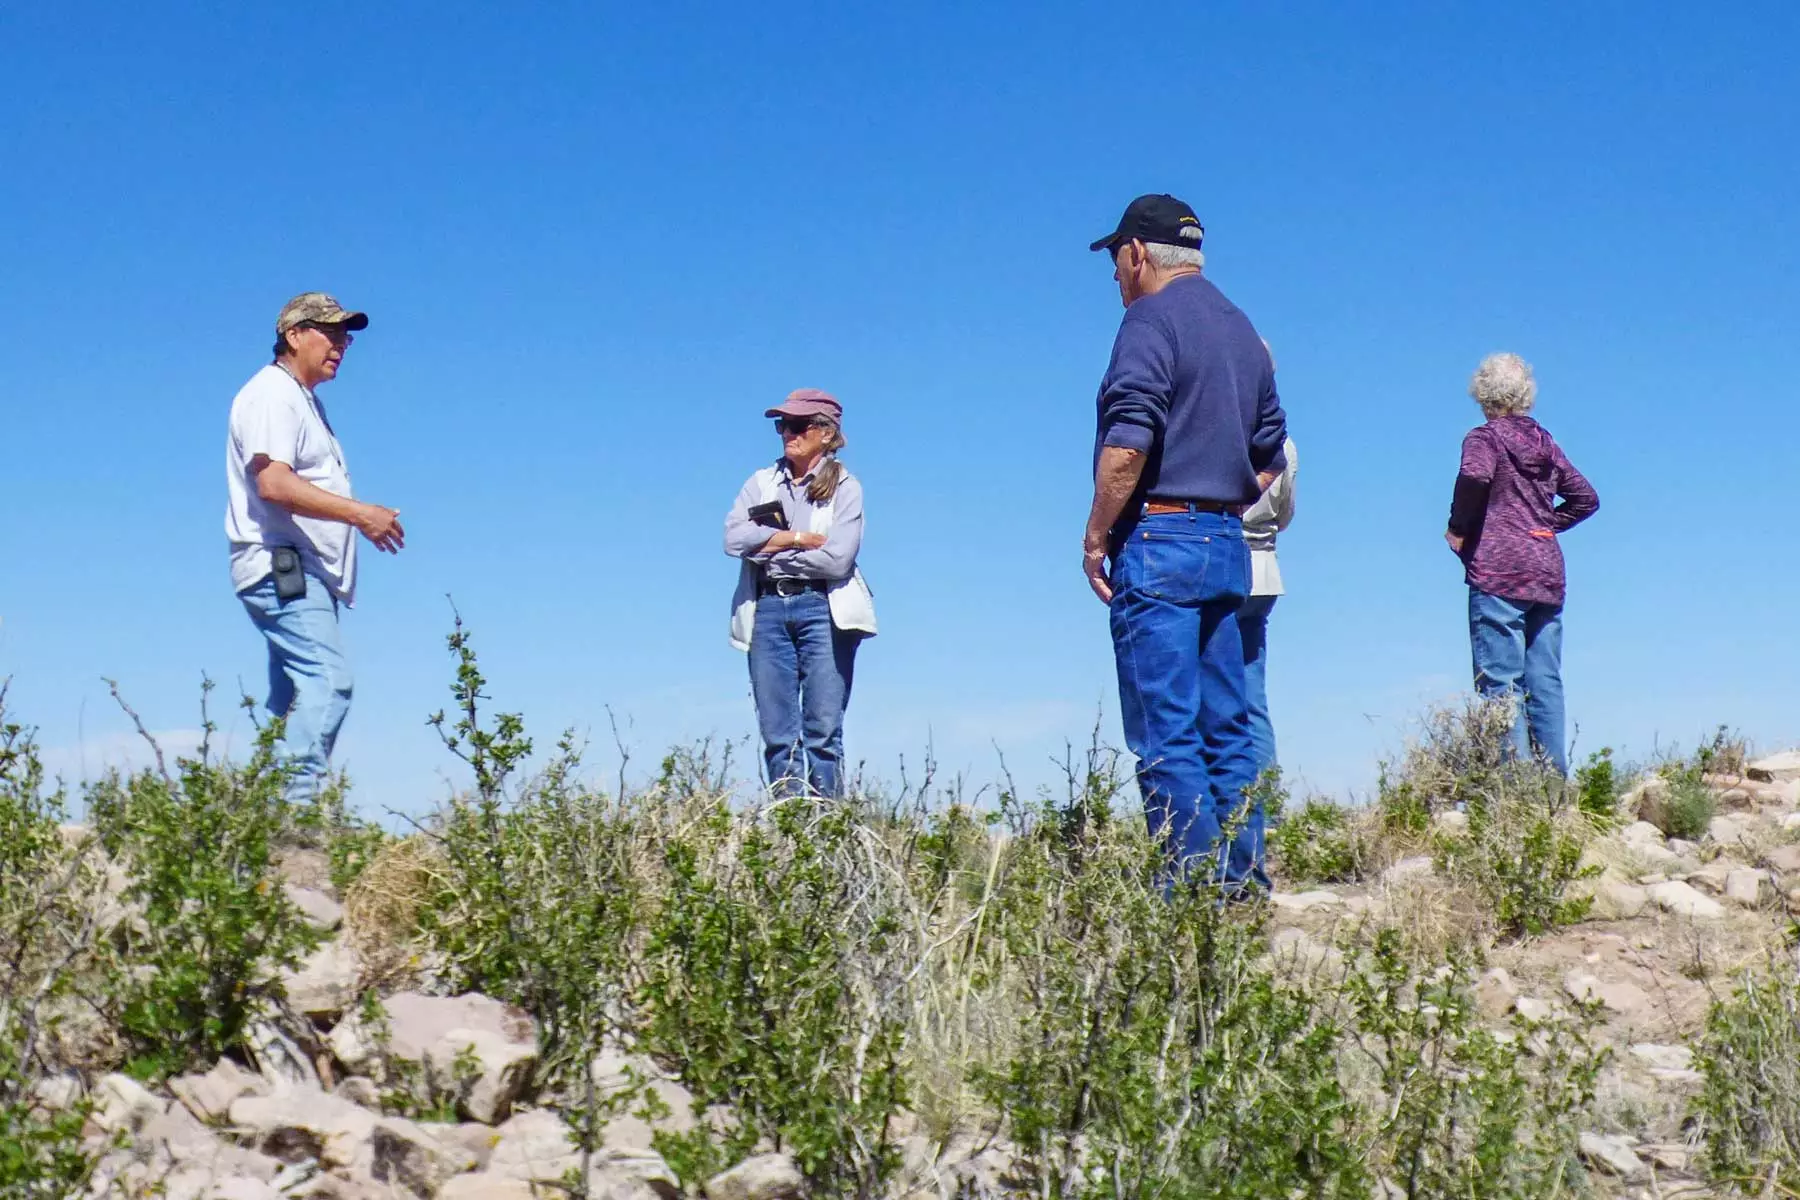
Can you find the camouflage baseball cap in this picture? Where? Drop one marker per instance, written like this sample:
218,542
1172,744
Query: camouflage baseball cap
319,308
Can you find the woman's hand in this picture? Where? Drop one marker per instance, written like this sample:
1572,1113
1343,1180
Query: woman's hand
1454,541
788,539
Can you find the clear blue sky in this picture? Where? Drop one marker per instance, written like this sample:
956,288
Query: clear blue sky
597,240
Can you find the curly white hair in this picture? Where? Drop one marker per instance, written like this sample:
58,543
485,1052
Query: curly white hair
1503,385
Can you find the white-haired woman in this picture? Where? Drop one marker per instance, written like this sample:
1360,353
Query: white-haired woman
801,606
1505,516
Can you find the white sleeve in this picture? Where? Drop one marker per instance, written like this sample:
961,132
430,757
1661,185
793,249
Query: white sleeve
268,424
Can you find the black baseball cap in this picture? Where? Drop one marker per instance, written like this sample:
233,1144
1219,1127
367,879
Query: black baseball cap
1155,218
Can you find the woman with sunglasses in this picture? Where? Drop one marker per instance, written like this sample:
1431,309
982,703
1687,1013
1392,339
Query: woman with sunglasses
801,605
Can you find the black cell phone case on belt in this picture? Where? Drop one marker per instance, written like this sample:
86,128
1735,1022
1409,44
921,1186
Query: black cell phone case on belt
290,577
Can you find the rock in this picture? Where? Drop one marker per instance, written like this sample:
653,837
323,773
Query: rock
1746,886
485,1187
642,1171
1613,1155
1641,833
476,1139
57,1093
324,985
487,1069
298,1123
1784,860
209,1096
1683,901
1791,822
1616,900
279,1057
1684,849
1776,768
1495,993
320,910
1664,1058
1709,878
1649,801
764,1177
122,1104
1532,1009
1670,1158
359,1090
1622,998
239,1187
1306,901
1417,867
400,1153
1727,830
1295,950
1451,823
534,1146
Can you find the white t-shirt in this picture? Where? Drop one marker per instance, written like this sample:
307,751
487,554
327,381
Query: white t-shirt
275,417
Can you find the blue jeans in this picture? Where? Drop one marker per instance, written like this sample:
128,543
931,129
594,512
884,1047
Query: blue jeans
801,666
1178,582
1518,654
309,677
1253,628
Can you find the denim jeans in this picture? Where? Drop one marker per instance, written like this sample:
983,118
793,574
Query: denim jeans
1178,582
309,677
1253,628
1518,653
801,668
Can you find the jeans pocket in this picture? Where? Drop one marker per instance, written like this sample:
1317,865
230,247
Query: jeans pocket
1169,567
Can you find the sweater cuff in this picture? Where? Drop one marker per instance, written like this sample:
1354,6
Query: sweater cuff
1129,437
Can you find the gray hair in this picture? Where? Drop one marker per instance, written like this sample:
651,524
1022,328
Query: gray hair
1503,385
1172,258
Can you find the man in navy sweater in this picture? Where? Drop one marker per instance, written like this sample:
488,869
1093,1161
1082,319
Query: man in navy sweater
1189,433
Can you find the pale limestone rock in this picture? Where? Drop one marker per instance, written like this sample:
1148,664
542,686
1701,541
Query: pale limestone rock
1784,860
1665,1058
209,1096
1679,899
1296,950
1621,998
533,1146
1616,900
279,1058
1776,768
476,1139
1684,849
485,1186
1791,822
764,1177
502,1069
1727,830
240,1187
1612,1155
1746,886
319,909
360,1090
57,1093
1709,878
1306,901
124,1104
296,1123
401,1154
1532,1009
1417,867
324,985
1670,1158
1641,833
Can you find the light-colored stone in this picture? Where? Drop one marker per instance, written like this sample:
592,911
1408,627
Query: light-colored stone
1669,1158
472,1136
240,1187
1616,900
122,1104
1791,822
403,1155
1680,900
641,1173
1784,860
296,1123
1685,850
1641,833
1533,1009
279,1057
1417,867
360,1090
1666,1058
1495,993
324,985
485,1186
1451,823
1727,830
59,1092
1306,901
209,1096
764,1177
498,1070
1710,878
1747,886
533,1146
1612,1155
1624,999
1776,768
1295,950
319,909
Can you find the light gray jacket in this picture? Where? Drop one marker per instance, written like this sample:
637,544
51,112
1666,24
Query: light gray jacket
1272,512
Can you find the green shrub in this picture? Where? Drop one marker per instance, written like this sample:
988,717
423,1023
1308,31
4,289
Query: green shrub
1522,852
1687,810
1749,1108
212,928
1322,842
1597,789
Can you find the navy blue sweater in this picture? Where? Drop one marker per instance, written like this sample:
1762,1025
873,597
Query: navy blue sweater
1192,386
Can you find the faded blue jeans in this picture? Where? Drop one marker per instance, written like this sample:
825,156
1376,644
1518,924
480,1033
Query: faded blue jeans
309,677
1517,649
1253,628
1178,582
801,667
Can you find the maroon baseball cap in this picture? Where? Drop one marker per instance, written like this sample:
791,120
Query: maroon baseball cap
808,402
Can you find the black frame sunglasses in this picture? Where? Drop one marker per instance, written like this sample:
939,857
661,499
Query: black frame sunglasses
795,425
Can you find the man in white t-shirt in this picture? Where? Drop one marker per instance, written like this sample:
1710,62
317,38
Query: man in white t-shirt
292,525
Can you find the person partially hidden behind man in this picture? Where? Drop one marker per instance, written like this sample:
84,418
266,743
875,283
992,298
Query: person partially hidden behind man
292,524
1189,434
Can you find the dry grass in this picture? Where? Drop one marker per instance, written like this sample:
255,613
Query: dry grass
382,910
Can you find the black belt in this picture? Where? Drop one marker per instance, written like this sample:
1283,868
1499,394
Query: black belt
789,587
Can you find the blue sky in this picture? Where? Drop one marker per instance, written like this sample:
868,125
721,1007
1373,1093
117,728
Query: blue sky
596,241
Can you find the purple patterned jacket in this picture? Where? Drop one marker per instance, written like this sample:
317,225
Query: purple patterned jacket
1505,510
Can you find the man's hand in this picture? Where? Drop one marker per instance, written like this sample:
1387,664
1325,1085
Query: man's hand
1454,541
1093,565
381,526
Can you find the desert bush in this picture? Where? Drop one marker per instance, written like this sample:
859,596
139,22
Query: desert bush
1321,842
1597,789
350,842
1749,1108
1687,805
46,933
198,957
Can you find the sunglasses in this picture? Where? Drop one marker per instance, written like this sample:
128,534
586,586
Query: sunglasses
336,334
794,425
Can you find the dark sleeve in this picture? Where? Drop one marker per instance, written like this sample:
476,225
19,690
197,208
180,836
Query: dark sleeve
1474,479
1139,383
1270,434
1579,499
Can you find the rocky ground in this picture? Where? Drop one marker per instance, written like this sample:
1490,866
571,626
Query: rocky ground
311,1114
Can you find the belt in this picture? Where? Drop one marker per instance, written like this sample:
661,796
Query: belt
1154,507
789,587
